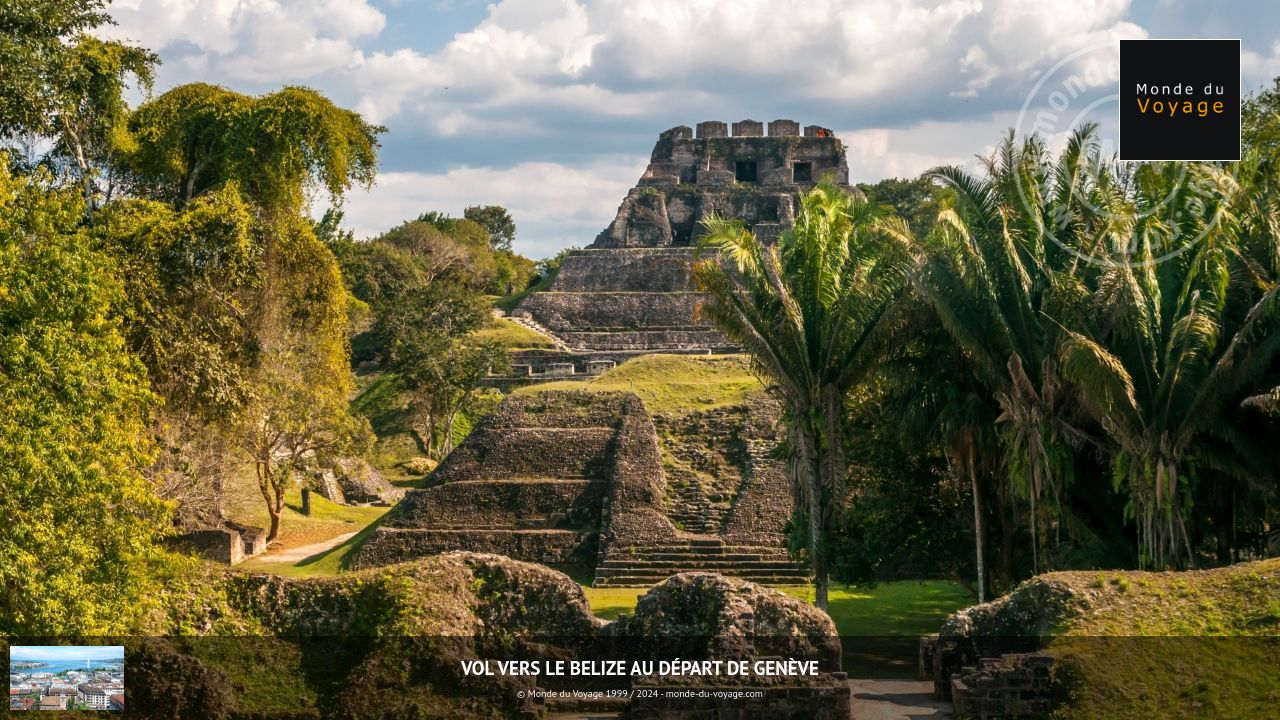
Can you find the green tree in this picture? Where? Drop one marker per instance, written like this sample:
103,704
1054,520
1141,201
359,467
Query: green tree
917,201
285,332
427,339
277,147
993,265
1166,357
88,112
815,313
496,221
296,411
80,520
34,37
191,277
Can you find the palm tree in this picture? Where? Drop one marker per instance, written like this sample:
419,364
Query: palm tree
1171,347
935,403
994,263
814,312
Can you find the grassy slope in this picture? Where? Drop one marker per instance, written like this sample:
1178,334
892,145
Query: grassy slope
1199,644
245,505
1194,657
674,384
906,608
512,336
510,302
323,564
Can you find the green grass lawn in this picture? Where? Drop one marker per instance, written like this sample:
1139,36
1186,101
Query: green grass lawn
674,384
327,519
324,564
906,608
512,335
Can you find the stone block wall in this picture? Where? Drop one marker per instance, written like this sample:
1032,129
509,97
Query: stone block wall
712,129
527,504
650,340
569,311
657,270
1010,686
784,128
389,545
216,544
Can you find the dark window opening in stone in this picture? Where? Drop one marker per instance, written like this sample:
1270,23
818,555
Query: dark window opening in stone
802,172
745,171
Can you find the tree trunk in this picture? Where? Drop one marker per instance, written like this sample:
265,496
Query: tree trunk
977,524
446,443
274,532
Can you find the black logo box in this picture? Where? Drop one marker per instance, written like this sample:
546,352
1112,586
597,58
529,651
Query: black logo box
1188,65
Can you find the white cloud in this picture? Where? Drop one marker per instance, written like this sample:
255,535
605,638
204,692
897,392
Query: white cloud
250,40
641,54
553,205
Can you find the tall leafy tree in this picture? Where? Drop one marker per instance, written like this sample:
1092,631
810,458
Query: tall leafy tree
270,294
428,346
35,36
815,313
277,147
88,106
80,521
496,221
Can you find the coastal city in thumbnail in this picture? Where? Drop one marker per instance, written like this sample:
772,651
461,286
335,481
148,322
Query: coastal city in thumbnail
66,677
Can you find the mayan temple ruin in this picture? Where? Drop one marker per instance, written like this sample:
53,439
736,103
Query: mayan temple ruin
591,481
629,292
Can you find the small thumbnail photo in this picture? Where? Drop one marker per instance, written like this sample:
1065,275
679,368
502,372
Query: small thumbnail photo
66,677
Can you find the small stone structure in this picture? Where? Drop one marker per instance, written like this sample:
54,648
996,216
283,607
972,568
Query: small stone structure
631,290
229,543
577,479
1016,685
988,658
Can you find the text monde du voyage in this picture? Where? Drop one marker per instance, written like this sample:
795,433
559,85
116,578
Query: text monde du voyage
1181,99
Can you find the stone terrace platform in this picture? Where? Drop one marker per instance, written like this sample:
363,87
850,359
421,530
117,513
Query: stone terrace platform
625,300
576,480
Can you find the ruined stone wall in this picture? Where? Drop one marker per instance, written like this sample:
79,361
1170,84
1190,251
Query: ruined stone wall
525,505
217,544
633,511
1017,685
557,549
625,270
580,312
747,175
650,340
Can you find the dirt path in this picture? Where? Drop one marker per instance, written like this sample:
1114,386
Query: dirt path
296,555
896,700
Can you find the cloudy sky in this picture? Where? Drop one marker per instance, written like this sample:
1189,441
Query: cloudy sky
65,653
550,107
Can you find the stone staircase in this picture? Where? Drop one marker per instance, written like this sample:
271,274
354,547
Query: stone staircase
526,321
692,512
651,564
